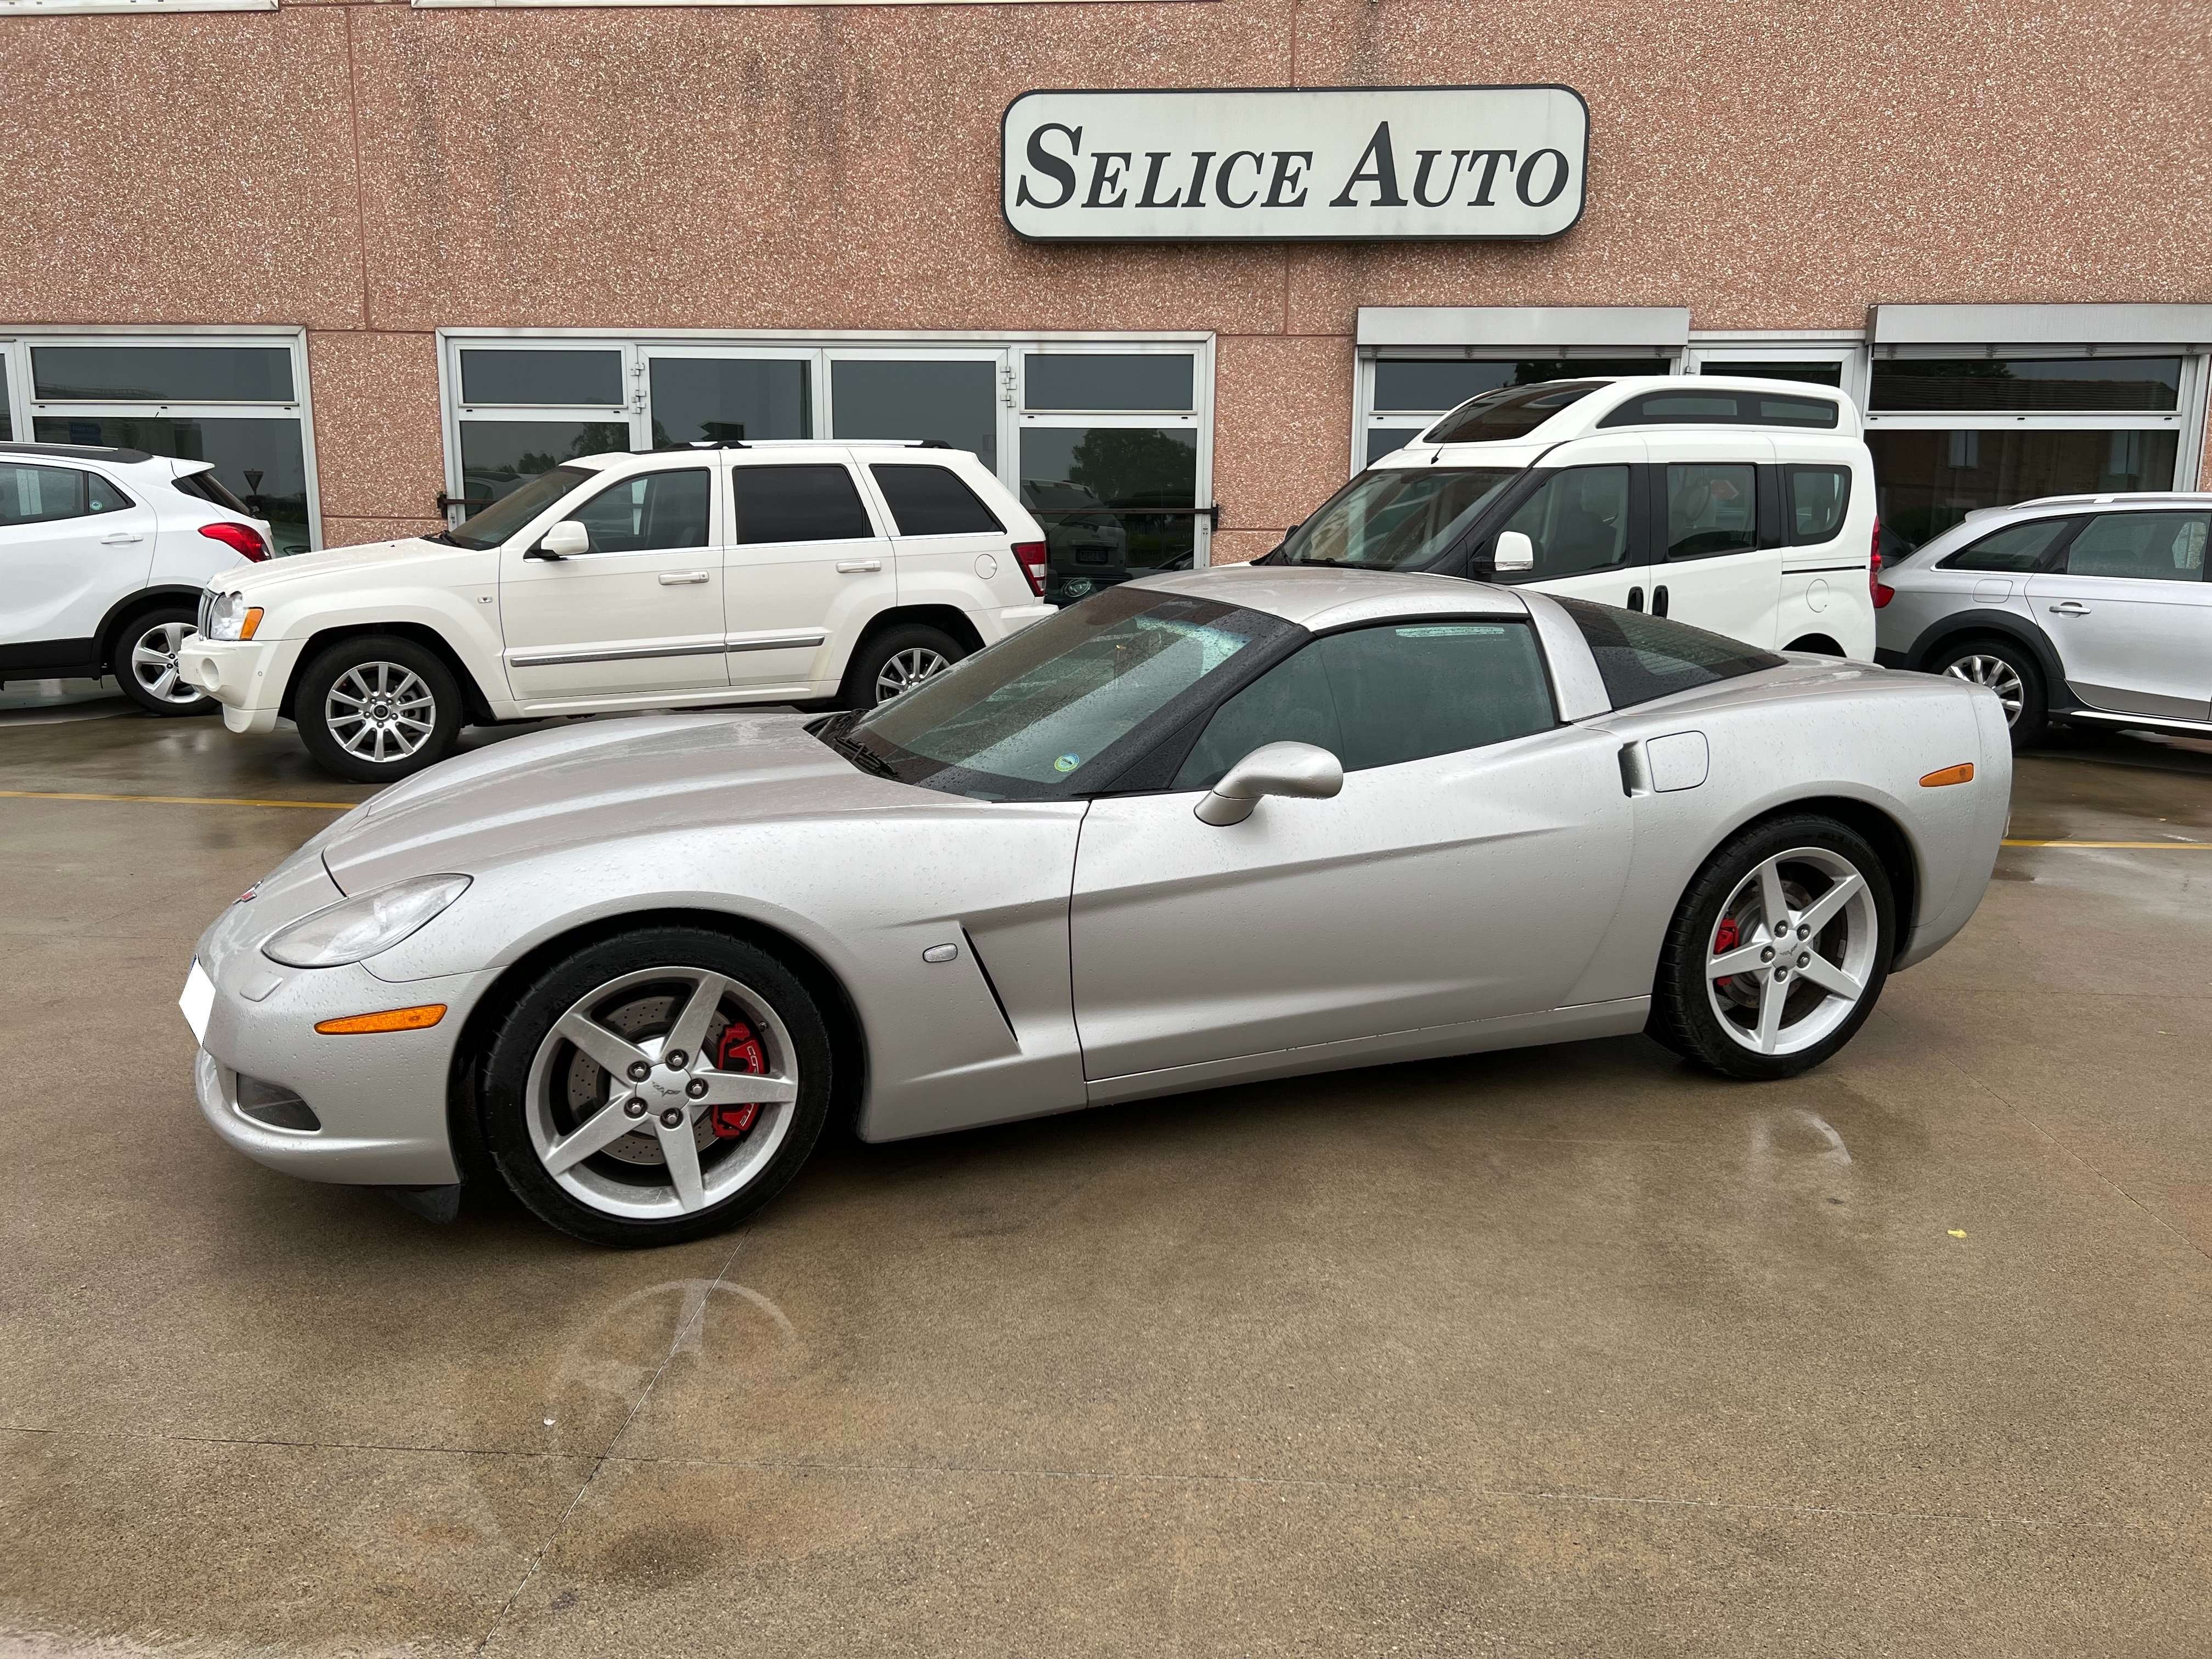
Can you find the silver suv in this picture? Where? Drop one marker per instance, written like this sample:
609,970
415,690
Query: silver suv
2092,608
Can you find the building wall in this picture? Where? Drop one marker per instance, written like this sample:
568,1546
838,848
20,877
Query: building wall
373,172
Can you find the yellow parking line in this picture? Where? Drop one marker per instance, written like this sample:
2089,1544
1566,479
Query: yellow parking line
178,800
2130,846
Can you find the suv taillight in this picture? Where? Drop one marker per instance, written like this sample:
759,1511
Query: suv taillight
1882,592
1030,557
243,538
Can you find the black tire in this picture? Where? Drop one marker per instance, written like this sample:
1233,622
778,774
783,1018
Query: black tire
873,658
1683,1016
1967,660
370,653
166,623
503,1103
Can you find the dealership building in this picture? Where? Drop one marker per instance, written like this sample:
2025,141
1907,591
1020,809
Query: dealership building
1173,268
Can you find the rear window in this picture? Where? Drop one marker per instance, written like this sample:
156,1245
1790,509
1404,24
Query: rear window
1512,411
2018,549
1642,657
933,501
1819,496
1719,408
210,489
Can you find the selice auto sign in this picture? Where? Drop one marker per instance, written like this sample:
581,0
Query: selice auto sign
1335,164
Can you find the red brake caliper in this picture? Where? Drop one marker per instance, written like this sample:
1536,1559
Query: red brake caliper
739,1050
1727,936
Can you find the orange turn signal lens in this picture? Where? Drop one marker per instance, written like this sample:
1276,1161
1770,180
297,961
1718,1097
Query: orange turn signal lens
252,621
1962,773
392,1019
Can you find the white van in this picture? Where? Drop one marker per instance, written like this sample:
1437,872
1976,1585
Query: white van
1744,507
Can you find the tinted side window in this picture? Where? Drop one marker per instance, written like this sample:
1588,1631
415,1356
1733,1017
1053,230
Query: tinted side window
2159,547
2019,550
1819,499
652,511
1641,657
1577,521
1711,509
815,503
41,495
1377,696
1725,409
933,501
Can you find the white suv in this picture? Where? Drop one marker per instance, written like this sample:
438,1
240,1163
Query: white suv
103,553
707,575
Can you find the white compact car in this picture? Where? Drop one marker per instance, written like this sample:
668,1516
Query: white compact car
708,575
1742,505
103,554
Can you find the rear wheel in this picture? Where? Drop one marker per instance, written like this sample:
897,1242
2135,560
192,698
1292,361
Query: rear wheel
2008,669
898,659
377,708
144,663
657,1087
1778,951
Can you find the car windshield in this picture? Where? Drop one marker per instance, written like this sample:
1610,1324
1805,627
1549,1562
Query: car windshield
1049,713
1396,517
518,508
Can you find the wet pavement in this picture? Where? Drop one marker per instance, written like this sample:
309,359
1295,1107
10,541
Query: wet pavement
1568,1351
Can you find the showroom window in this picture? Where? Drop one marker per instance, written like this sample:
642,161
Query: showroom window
236,400
1402,395
1104,438
1955,430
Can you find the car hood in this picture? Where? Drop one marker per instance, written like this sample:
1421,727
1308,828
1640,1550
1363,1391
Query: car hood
411,557
598,782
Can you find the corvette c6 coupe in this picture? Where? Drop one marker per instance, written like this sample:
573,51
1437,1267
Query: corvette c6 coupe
1195,831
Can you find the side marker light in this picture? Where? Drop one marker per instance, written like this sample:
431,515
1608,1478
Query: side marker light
392,1019
1962,773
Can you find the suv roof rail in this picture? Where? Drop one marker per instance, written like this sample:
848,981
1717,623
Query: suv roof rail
693,443
2122,496
80,452
929,443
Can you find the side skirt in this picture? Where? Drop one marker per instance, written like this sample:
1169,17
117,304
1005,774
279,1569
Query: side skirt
1474,1036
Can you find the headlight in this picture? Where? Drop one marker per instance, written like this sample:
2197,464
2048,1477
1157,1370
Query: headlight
357,927
229,617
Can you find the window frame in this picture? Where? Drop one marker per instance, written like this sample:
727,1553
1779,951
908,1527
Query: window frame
1786,473
569,509
820,349
879,528
24,408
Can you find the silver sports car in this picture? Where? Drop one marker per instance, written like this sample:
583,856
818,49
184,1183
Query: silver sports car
1199,830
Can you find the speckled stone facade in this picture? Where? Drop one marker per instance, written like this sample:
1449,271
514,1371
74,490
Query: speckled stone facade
373,172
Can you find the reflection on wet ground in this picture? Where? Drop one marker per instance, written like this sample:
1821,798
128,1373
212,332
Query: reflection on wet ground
1570,1349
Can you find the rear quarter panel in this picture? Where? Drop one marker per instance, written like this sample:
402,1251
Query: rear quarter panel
1808,732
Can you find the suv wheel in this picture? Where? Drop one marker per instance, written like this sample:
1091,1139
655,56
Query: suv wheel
898,659
2008,669
145,663
1778,951
377,709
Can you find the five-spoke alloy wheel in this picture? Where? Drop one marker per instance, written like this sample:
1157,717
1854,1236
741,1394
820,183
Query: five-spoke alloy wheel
1778,951
146,665
657,1087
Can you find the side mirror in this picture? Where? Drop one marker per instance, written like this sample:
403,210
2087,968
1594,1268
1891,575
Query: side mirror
1272,768
563,541
1515,552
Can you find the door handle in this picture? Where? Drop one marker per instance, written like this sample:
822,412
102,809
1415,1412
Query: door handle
681,579
120,538
1636,598
2071,608
858,567
1659,601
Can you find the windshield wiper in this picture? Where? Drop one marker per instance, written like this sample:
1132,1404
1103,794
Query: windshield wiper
860,754
447,539
1334,564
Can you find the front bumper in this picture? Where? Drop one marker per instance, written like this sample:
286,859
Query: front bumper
246,677
380,1099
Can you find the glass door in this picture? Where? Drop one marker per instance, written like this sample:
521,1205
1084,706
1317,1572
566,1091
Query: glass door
956,397
1110,464
729,394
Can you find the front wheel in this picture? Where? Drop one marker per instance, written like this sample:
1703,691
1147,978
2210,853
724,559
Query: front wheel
1778,951
377,707
145,663
657,1087
898,659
